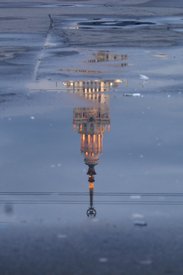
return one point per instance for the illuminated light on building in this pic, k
(89, 139)
(91, 86)
(83, 137)
(106, 56)
(81, 126)
(91, 186)
(118, 81)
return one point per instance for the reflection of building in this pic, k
(91, 123)
(105, 56)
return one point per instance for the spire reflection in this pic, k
(91, 123)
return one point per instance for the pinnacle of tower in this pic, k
(91, 212)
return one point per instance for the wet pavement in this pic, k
(91, 137)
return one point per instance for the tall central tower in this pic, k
(91, 123)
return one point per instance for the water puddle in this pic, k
(112, 24)
(91, 152)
